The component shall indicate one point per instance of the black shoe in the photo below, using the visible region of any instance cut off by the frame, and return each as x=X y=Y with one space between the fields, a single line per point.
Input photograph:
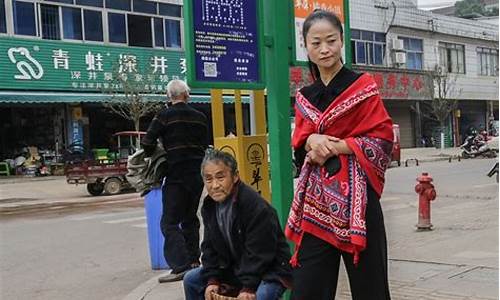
x=172 y=277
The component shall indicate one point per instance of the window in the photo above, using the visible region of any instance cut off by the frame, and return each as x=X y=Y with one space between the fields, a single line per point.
x=139 y=31
x=159 y=36
x=144 y=6
x=173 y=33
x=487 y=60
x=451 y=57
x=96 y=3
x=63 y=1
x=157 y=25
x=414 y=53
x=170 y=10
x=24 y=18
x=367 y=47
x=72 y=23
x=93 y=25
x=117 y=31
x=119 y=4
x=3 y=25
x=50 y=22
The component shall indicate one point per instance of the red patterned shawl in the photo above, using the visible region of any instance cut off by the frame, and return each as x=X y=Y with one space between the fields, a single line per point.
x=333 y=208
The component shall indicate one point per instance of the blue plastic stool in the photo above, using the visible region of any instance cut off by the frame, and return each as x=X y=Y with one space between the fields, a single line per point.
x=153 y=207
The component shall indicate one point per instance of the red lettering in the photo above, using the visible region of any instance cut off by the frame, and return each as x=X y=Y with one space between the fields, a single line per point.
x=379 y=80
x=392 y=81
x=404 y=80
x=417 y=83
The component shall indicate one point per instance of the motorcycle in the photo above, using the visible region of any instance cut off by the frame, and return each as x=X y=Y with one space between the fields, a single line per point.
x=476 y=145
x=494 y=171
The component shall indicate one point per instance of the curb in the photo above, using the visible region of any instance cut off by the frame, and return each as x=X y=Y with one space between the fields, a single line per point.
x=21 y=179
x=144 y=289
x=39 y=207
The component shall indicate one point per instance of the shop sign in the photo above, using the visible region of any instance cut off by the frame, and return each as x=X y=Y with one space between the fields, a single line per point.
x=398 y=86
x=392 y=85
x=29 y=64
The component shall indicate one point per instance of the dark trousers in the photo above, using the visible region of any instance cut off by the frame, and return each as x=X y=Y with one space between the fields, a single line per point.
x=181 y=197
x=316 y=277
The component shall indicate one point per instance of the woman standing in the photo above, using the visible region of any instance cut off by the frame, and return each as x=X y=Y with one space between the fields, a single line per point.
x=343 y=135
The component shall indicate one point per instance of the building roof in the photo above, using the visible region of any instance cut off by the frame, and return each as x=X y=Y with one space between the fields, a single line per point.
x=447 y=11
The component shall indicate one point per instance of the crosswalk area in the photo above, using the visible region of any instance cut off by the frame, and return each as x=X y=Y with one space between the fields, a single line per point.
x=133 y=218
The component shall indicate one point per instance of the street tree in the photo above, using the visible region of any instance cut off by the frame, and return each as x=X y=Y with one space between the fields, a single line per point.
x=444 y=101
x=466 y=8
x=133 y=95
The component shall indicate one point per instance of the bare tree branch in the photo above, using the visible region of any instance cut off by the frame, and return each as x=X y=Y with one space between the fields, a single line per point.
x=132 y=95
x=444 y=102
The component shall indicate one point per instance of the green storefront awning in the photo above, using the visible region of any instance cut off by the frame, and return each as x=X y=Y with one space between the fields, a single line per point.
x=44 y=97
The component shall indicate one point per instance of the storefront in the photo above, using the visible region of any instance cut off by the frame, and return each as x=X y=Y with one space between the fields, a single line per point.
x=53 y=94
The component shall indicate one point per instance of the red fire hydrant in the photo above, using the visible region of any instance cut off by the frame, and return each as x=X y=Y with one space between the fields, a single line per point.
x=427 y=193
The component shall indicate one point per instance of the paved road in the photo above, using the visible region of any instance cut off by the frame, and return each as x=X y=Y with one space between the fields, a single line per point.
x=458 y=260
x=98 y=249
x=67 y=255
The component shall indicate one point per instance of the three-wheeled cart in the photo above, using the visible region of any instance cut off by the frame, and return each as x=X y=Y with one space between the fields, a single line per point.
x=105 y=175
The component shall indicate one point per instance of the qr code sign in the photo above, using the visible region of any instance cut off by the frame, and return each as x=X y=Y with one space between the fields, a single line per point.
x=210 y=69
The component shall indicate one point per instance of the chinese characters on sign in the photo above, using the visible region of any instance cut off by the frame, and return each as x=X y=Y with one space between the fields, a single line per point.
x=392 y=85
x=226 y=41
x=45 y=65
x=402 y=85
x=255 y=155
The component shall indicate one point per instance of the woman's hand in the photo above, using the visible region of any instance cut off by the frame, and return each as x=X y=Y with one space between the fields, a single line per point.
x=209 y=290
x=315 y=158
x=321 y=143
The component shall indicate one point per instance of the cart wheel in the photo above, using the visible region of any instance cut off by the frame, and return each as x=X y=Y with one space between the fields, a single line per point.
x=399 y=163
x=113 y=186
x=95 y=189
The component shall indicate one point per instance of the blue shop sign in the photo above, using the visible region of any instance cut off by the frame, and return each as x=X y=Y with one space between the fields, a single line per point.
x=224 y=44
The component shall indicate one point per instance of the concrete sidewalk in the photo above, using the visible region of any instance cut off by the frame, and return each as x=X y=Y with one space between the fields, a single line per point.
x=409 y=279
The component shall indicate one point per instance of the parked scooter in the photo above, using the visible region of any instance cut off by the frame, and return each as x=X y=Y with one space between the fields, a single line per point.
x=476 y=145
x=494 y=171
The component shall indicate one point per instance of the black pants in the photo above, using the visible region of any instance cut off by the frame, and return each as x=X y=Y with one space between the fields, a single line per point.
x=181 y=197
x=316 y=277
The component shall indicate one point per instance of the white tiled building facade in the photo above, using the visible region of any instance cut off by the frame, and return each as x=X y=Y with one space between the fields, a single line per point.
x=414 y=40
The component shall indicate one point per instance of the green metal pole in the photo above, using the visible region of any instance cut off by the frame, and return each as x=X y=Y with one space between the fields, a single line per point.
x=347 y=35
x=277 y=54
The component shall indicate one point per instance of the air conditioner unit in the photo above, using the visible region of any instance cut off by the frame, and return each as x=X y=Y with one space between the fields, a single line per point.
x=397 y=44
x=400 y=58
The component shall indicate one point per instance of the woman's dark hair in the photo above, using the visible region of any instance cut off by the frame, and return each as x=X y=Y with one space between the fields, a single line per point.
x=317 y=15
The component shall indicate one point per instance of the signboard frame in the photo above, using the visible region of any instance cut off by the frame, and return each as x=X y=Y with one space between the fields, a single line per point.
x=347 y=36
x=189 y=42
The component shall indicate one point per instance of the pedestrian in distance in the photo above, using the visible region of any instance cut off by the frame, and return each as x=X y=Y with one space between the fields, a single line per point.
x=343 y=140
x=244 y=250
x=183 y=132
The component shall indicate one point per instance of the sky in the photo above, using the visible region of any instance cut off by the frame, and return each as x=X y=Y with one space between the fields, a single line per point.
x=431 y=4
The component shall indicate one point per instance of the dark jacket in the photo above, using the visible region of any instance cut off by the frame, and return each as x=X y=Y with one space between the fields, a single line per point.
x=183 y=132
x=257 y=237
